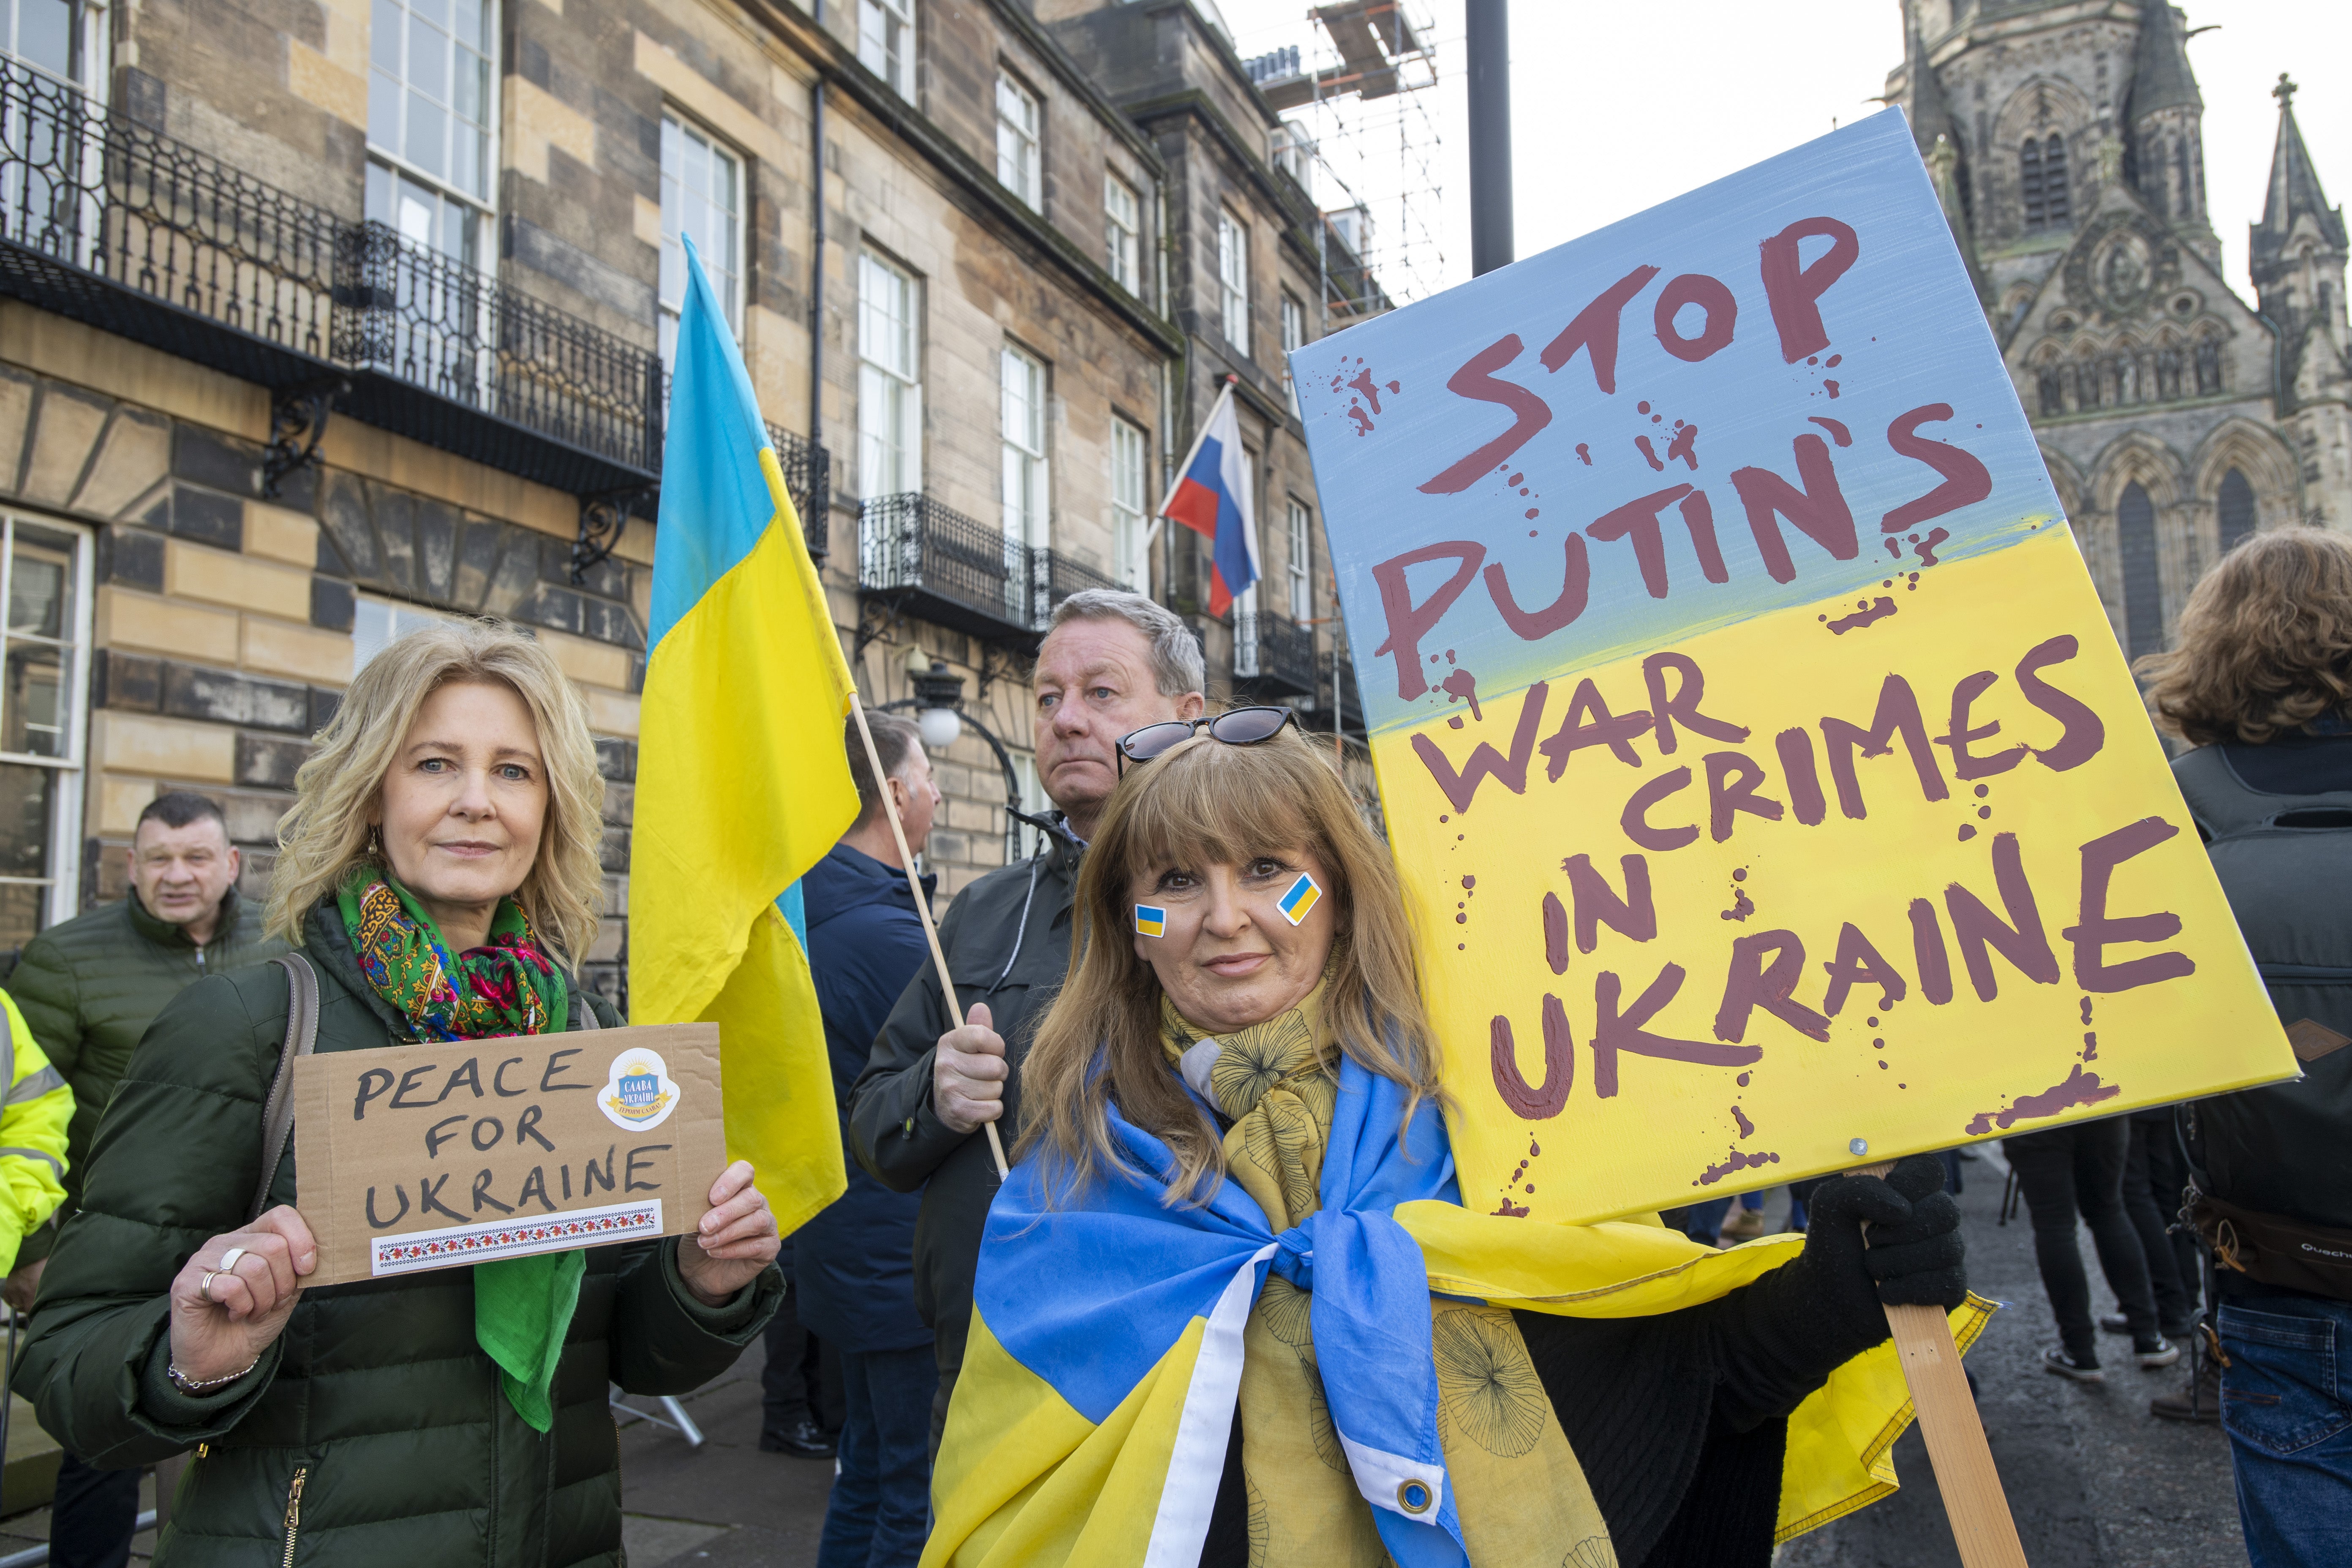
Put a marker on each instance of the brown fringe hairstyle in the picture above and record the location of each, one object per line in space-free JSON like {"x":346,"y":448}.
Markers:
{"x":2265,"y":642}
{"x":1204,"y":803}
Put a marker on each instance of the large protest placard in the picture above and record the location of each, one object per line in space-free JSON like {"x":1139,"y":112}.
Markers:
{"x":1767,"y":783}
{"x":435,"y":1156}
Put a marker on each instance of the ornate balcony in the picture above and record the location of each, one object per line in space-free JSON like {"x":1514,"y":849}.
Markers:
{"x":109,"y":223}
{"x":1272,"y":657}
{"x":919,"y":557}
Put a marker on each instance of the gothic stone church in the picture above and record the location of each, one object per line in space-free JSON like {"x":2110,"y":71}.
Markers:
{"x":2063,"y":138}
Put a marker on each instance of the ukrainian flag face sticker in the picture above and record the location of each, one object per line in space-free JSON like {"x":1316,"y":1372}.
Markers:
{"x":1302,"y":896}
{"x":1150,"y":921}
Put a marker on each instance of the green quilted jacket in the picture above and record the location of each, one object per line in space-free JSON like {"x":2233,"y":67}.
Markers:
{"x":90,"y":987}
{"x":374,"y":1431}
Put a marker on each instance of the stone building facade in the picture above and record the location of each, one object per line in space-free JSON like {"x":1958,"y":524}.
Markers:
{"x":2064,"y":139}
{"x":321,"y":317}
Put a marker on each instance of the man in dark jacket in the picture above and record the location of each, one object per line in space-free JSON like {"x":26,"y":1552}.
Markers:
{"x":1112,"y":663}
{"x":88,"y":988}
{"x":854,"y":1265}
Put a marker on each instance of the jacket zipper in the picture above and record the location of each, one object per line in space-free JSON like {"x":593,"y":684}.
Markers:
{"x":294,"y":1513}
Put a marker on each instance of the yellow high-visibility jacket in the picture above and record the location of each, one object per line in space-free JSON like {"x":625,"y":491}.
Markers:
{"x":33,"y":1119}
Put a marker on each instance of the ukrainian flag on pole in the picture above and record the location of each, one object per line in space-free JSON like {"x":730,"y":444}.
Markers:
{"x":742,"y":782}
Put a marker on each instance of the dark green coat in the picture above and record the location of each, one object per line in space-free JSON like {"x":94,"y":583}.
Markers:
{"x":376,"y":1394}
{"x":90,"y":987}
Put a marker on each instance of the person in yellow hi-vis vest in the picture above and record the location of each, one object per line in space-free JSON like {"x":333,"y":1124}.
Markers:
{"x":33,"y":1120}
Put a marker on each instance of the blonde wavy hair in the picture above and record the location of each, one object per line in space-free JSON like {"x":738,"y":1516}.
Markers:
{"x":326,"y":832}
{"x":1203,"y":802}
{"x":2265,"y":642}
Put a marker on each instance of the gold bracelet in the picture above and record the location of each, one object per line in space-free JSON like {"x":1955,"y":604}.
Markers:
{"x":187,"y":1384}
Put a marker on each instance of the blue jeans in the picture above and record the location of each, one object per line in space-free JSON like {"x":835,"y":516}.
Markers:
{"x":2286,"y":1402}
{"x":880,"y":1509}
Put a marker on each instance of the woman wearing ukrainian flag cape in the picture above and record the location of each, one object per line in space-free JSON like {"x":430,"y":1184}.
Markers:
{"x":1231,"y":1309}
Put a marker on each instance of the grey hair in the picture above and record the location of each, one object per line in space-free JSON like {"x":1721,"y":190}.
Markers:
{"x":1176,"y":665}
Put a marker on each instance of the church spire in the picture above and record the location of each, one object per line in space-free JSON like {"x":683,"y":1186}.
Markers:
{"x":2160,"y":75}
{"x":1930,"y":111}
{"x":2294,"y":194}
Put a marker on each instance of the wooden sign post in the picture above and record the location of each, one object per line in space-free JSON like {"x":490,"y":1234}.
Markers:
{"x":436,"y":1156}
{"x":1755,"y":750}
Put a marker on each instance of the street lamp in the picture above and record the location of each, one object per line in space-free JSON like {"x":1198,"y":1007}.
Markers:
{"x":938,"y":695}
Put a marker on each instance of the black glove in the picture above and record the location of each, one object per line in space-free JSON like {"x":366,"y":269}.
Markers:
{"x":1781,"y":1337}
{"x":1911,"y":1253}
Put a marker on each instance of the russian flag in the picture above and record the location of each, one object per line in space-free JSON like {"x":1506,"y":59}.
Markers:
{"x":1211,"y":497}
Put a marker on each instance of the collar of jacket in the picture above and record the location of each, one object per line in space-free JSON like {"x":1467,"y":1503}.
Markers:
{"x":847,"y":873}
{"x":1063,"y":849}
{"x":163,"y":933}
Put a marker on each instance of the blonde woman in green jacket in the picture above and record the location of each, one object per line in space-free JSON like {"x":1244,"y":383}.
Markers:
{"x":438,"y":871}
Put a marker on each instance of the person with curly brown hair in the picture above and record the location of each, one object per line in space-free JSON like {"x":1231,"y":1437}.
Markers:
{"x":1228,"y":1295}
{"x":2261,"y":685}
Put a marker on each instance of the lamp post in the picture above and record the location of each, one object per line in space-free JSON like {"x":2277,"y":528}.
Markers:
{"x":940,"y":718}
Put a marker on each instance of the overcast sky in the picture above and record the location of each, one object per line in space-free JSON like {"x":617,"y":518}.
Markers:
{"x":1617,"y":107}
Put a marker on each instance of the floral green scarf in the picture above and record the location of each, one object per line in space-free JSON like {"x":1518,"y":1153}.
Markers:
{"x":522,"y":1306}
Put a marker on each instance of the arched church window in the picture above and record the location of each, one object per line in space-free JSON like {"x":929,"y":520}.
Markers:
{"x":2237,"y":508}
{"x":2053,"y":399}
{"x":2029,"y":170}
{"x":2053,"y":181}
{"x":2182,"y":196}
{"x":2143,"y":583}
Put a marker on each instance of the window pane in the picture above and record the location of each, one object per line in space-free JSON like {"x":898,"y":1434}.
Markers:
{"x":384,"y":35}
{"x":38,"y":587}
{"x":45,"y":35}
{"x":428,"y":61}
{"x":33,"y":719}
{"x":383,"y":109}
{"x":425,"y":146}
{"x":25,"y":826}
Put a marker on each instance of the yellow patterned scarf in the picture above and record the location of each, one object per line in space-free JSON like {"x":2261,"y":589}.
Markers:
{"x":1520,"y":1493}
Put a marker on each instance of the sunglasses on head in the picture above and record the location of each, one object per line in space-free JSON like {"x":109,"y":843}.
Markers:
{"x":1235,"y":727}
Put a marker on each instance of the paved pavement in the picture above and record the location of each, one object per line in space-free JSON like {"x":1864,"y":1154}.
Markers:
{"x":2094,"y":1481}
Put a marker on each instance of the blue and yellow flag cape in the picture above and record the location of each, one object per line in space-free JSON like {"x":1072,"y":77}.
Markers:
{"x":1090,"y":1421}
{"x":743,"y":781}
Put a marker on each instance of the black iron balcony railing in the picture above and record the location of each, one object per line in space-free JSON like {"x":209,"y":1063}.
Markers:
{"x":808,"y":476}
{"x":1274,"y":656}
{"x":116,"y":225}
{"x":113,"y":223}
{"x":932,"y":561}
{"x":1054,"y":576}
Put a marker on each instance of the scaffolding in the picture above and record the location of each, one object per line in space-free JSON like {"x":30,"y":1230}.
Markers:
{"x":1360,"y":135}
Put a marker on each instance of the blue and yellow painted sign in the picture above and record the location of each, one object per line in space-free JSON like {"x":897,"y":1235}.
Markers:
{"x":1755,"y":753}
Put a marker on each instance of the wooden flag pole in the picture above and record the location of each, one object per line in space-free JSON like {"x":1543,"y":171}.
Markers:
{"x":923,"y":908}
{"x":1973,"y":1499}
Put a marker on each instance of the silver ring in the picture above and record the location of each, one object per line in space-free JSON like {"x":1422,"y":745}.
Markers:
{"x":228,"y":1259}
{"x":204,"y":1286}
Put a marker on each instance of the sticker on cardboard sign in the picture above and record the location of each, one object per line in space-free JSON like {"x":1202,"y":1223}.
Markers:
{"x":638,"y":1094}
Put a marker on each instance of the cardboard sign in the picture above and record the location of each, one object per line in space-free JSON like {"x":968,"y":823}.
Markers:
{"x":1768,"y":786}
{"x":439,"y":1155}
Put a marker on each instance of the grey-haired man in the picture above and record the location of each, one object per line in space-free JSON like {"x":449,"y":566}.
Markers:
{"x":1112,"y":663}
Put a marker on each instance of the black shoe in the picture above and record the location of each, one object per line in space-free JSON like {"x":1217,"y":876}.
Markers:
{"x":801,"y":1440}
{"x":2200,"y":1401}
{"x":2114,"y":1324}
{"x":2059,"y":1361}
{"x":2156,"y":1353}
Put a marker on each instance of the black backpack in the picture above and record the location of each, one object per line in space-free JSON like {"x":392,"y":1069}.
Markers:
{"x":2285,"y":863}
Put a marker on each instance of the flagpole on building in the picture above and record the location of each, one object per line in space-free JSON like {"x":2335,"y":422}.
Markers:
{"x":1176,"y":476}
{"x":922,"y":905}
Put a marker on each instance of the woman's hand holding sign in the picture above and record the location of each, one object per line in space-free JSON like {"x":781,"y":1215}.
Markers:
{"x":734,"y":1241}
{"x":233,"y":1297}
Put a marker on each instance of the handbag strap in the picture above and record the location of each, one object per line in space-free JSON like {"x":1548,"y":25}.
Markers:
{"x":301,"y":1037}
